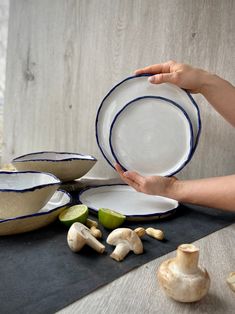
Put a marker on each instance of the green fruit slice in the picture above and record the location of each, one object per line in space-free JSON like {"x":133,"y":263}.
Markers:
{"x":76,"y":213}
{"x":110,"y":219}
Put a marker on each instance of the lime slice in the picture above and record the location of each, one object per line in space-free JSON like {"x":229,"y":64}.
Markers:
{"x":76,"y":213}
{"x":110,"y":219}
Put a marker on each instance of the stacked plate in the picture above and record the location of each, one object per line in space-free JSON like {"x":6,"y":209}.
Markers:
{"x":151,"y":129}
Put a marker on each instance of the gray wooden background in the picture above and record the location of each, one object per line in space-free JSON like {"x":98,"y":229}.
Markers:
{"x":64,"y":56}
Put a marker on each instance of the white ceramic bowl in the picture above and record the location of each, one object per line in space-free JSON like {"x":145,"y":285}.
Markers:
{"x":65,"y":166}
{"x":46,"y":215}
{"x":24,"y":193}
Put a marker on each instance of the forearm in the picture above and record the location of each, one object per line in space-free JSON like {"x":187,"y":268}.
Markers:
{"x":218,"y":192}
{"x":220,"y":94}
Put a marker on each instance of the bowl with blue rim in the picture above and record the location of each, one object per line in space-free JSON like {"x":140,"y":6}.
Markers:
{"x":64,"y":165}
{"x":25,"y":192}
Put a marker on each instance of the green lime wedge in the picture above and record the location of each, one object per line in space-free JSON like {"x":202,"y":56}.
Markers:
{"x":76,"y":213}
{"x":110,"y":219}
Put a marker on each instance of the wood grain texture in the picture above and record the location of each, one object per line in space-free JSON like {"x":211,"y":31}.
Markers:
{"x":65,"y":55}
{"x":139,"y":292}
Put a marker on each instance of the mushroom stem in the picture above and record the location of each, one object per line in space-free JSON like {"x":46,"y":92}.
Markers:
{"x":91,"y":223}
{"x":155,"y":233}
{"x":187,"y":258}
{"x":92,"y":241}
{"x":96,"y":232}
{"x":140,"y":231}
{"x":121,"y":251}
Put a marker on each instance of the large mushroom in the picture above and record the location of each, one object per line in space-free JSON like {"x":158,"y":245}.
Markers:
{"x":79,"y":235}
{"x":181,"y":278}
{"x":125,"y":240}
{"x":231,"y":281}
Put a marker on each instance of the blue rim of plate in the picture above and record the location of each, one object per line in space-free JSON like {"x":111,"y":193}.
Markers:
{"x":42,"y":213}
{"x":134,"y":77}
{"x":129,"y":217}
{"x":53,"y":160}
{"x":133,"y":101}
{"x":32,"y":188}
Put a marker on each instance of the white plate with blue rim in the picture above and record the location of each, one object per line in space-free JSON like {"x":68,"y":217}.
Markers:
{"x":46,"y":215}
{"x":134,"y":87}
{"x":124,"y":199}
{"x":152,"y":135}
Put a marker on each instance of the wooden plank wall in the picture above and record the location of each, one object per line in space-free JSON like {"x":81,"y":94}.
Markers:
{"x":64,"y":56}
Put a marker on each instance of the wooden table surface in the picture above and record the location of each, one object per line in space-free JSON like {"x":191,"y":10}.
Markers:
{"x":138,"y":291}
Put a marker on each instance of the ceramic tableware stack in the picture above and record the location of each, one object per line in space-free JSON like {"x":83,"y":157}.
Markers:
{"x":30,"y":197}
{"x":151,"y":129}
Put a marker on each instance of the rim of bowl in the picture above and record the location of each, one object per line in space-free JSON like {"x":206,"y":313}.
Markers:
{"x":33,"y":188}
{"x":53,"y":160}
{"x":42,"y":213}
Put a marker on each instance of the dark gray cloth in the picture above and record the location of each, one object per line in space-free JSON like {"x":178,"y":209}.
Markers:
{"x":39,"y":273}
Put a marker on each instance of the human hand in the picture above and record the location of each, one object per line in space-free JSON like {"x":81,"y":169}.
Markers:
{"x":182,"y":75}
{"x":153,"y":185}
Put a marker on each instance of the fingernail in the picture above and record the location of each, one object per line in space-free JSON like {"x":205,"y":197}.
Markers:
{"x":151,"y":79}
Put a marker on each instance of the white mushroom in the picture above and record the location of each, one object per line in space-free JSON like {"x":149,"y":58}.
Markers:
{"x":155,"y":233}
{"x":92,"y":225}
{"x":231,"y":281}
{"x":126,"y":240}
{"x":140,"y":231}
{"x":181,"y":278}
{"x":79,"y":235}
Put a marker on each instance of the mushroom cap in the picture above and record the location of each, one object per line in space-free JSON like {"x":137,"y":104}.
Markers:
{"x":126,"y":235}
{"x":75,"y":237}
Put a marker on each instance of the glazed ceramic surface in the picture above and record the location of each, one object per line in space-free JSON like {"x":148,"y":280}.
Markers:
{"x":65,"y":166}
{"x":23,"y":193}
{"x":134,"y":87}
{"x":46,"y":215}
{"x":123,"y":199}
{"x":151,"y":135}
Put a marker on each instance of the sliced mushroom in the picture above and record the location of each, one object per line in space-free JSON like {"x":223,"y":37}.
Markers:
{"x":125,"y":240}
{"x":79,"y":235}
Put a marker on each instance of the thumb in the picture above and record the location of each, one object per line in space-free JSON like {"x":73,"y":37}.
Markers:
{"x":161,"y":78}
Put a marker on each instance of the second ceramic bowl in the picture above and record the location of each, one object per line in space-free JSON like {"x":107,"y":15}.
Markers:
{"x":66,"y":166}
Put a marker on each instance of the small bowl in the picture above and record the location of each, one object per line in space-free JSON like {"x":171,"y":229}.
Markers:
{"x":65,"y":166}
{"x":24,"y":193}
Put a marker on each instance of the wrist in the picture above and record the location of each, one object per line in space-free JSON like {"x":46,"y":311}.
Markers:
{"x":208,"y":82}
{"x":176,"y":190}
